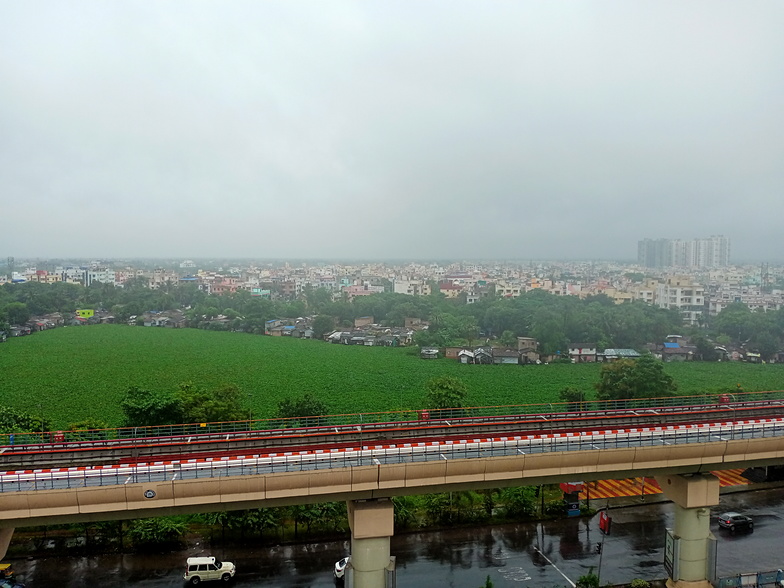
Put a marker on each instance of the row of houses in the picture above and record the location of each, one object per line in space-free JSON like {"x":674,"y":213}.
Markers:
{"x":171,"y":319}
{"x":390,"y":338}
{"x":672,"y":350}
{"x":488,"y":355}
{"x":367,"y":333}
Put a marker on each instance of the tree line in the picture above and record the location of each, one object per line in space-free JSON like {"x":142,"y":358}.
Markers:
{"x":554,"y":321}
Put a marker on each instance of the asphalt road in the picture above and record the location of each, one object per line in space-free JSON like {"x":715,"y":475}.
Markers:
{"x":536,"y":555}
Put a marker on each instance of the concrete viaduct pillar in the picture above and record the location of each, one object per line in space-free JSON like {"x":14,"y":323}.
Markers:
{"x":693,"y":496}
{"x":372,"y":523}
{"x":5,"y":540}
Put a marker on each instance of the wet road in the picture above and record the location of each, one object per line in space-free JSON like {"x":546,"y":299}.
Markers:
{"x":512,"y":555}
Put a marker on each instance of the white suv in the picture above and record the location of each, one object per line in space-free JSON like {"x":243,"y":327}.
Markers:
{"x":201,"y":569}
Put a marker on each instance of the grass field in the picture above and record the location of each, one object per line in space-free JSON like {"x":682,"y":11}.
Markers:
{"x":73,"y":373}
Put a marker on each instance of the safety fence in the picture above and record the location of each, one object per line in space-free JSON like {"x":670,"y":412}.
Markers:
{"x":594,"y":407}
{"x":751,"y":580}
{"x":355,"y":456}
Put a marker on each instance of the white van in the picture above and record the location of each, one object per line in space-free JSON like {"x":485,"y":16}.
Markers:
{"x":201,"y":569}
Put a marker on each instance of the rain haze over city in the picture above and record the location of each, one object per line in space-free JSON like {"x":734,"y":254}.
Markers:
{"x":389,"y":130}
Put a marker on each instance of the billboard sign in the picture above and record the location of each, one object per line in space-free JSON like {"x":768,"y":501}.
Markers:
{"x":672,"y":553}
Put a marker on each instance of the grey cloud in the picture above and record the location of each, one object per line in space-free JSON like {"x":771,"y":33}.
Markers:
{"x":389,"y":129}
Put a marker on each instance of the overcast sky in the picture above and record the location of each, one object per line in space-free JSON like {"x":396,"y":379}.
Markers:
{"x":389,"y":129}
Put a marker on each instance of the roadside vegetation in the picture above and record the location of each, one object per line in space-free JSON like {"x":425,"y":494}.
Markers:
{"x":292,"y":523}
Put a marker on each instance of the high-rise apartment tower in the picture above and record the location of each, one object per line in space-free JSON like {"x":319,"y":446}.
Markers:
{"x":713,"y":251}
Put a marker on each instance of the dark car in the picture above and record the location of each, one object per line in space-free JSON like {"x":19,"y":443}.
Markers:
{"x":735,"y":521}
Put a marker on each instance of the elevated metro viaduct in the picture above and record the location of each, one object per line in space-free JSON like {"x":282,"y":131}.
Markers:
{"x":680,"y":469}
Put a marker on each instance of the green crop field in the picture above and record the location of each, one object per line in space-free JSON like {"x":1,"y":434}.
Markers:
{"x":73,"y":373}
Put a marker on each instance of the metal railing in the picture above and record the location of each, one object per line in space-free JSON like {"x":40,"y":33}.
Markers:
{"x":753,"y":579}
{"x":366,"y":420}
{"x":355,"y":456}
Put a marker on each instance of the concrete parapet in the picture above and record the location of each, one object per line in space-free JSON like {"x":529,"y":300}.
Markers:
{"x":132,"y":500}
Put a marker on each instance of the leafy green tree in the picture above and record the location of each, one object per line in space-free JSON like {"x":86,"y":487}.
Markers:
{"x":303,"y":514}
{"x":589,"y":580}
{"x":573,"y":396}
{"x":17,"y":421}
{"x":244,"y":522}
{"x":317,"y":298}
{"x":301,"y":409}
{"x":17,"y":313}
{"x":519,"y":501}
{"x":508,"y":339}
{"x":230,"y":313}
{"x":445,"y":392}
{"x":736,"y":321}
{"x":197,"y":405}
{"x":332,"y":515}
{"x":766,"y":343}
{"x":405,"y":511}
{"x":322,"y":325}
{"x":88,"y":424}
{"x":157,"y":532}
{"x":705,"y":349}
{"x":629,"y":379}
{"x":548,"y":329}
{"x":144,"y":408}
{"x":488,"y":583}
{"x":438,"y":508}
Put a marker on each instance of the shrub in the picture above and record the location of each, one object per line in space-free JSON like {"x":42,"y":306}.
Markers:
{"x":589,"y":580}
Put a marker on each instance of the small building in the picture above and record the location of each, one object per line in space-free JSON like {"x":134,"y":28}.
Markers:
{"x":451,"y":352}
{"x":525,"y":344}
{"x":616,"y":354}
{"x":506,"y":356}
{"x":483,"y":355}
{"x":465,"y":356}
{"x":363,"y":321}
{"x":672,"y":351}
{"x":413,"y":322}
{"x":582,"y":352}
{"x":428,"y":353}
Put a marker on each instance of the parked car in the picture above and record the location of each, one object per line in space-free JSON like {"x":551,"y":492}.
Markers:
{"x":735,"y":521}
{"x":340,"y":567}
{"x":202,"y":569}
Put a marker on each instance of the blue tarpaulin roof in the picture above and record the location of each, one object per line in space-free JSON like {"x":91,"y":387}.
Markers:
{"x":671,"y":346}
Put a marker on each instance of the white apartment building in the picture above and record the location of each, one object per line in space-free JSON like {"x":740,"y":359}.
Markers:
{"x":72,"y":275}
{"x":681,"y":293}
{"x":507,"y":289}
{"x":411,"y":287}
{"x":102,"y":275}
{"x":752,"y":296}
{"x":707,"y":252}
